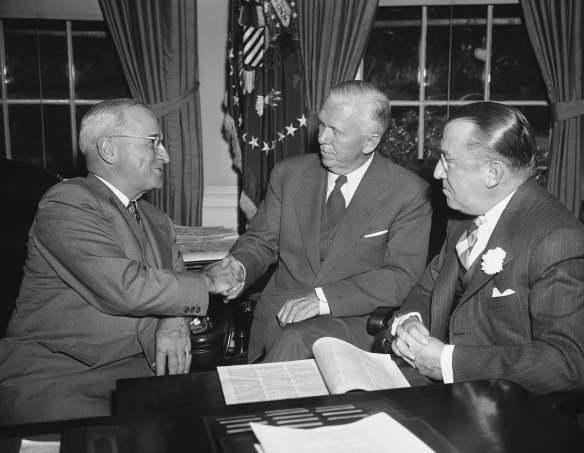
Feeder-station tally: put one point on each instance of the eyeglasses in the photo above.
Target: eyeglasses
(156, 140)
(447, 162)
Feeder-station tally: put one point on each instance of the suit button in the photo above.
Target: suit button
(187, 310)
(192, 309)
(198, 309)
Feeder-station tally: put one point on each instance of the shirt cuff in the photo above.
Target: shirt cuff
(242, 271)
(324, 308)
(446, 364)
(400, 320)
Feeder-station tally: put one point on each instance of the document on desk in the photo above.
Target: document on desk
(378, 433)
(271, 381)
(204, 243)
(338, 367)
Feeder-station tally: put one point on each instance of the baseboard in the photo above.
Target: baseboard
(220, 206)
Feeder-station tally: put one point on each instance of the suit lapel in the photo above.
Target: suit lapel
(361, 211)
(154, 237)
(308, 202)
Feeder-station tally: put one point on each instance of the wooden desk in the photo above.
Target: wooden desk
(480, 416)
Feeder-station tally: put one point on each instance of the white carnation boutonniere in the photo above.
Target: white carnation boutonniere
(493, 261)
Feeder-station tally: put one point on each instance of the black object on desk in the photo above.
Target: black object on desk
(479, 416)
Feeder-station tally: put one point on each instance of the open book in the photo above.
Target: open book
(337, 367)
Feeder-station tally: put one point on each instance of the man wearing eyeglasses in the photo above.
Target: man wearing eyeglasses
(105, 294)
(505, 297)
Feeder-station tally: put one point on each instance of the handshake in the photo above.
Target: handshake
(225, 277)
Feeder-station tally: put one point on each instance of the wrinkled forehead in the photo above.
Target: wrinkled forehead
(138, 119)
(456, 137)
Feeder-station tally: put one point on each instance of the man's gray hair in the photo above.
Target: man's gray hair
(102, 120)
(375, 100)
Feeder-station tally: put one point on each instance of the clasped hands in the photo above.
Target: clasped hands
(225, 277)
(413, 343)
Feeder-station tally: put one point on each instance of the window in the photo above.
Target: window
(429, 59)
(52, 72)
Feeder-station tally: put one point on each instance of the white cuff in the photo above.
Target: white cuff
(323, 304)
(446, 364)
(242, 270)
(400, 320)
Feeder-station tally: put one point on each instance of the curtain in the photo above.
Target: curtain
(265, 119)
(333, 35)
(157, 44)
(555, 31)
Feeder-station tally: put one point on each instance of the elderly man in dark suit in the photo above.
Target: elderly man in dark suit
(505, 297)
(348, 230)
(103, 275)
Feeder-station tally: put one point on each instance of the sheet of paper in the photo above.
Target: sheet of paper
(271, 381)
(378, 433)
(34, 446)
(346, 367)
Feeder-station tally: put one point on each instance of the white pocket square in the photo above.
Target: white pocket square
(507, 292)
(378, 233)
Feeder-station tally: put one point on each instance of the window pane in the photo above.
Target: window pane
(391, 60)
(515, 73)
(467, 53)
(434, 118)
(36, 59)
(30, 124)
(2, 137)
(400, 142)
(98, 71)
(26, 137)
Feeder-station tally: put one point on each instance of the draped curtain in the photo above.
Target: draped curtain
(157, 44)
(555, 31)
(333, 36)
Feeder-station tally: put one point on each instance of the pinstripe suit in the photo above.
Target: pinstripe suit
(535, 336)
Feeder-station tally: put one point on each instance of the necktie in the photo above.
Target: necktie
(335, 205)
(467, 241)
(134, 211)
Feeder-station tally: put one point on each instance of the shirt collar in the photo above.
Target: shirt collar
(125, 200)
(353, 179)
(492, 216)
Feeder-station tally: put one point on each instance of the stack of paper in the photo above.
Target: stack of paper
(375, 434)
(204, 243)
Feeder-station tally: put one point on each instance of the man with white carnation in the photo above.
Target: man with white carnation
(505, 296)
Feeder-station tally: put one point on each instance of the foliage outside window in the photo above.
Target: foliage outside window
(430, 59)
(52, 72)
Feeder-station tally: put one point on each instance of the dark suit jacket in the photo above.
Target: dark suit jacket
(359, 273)
(86, 313)
(535, 336)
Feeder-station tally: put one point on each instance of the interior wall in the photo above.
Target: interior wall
(221, 180)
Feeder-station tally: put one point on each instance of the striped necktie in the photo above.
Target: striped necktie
(335, 205)
(134, 211)
(467, 241)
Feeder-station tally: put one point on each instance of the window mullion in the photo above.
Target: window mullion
(72, 113)
(489, 44)
(7, 152)
(421, 109)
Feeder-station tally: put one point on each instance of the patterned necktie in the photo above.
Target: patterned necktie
(467, 241)
(335, 205)
(134, 211)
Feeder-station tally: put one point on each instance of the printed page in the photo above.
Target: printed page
(271, 381)
(378, 433)
(345, 367)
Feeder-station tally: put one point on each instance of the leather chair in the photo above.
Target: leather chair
(22, 185)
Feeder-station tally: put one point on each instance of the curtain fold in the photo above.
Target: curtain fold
(333, 36)
(157, 44)
(555, 31)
